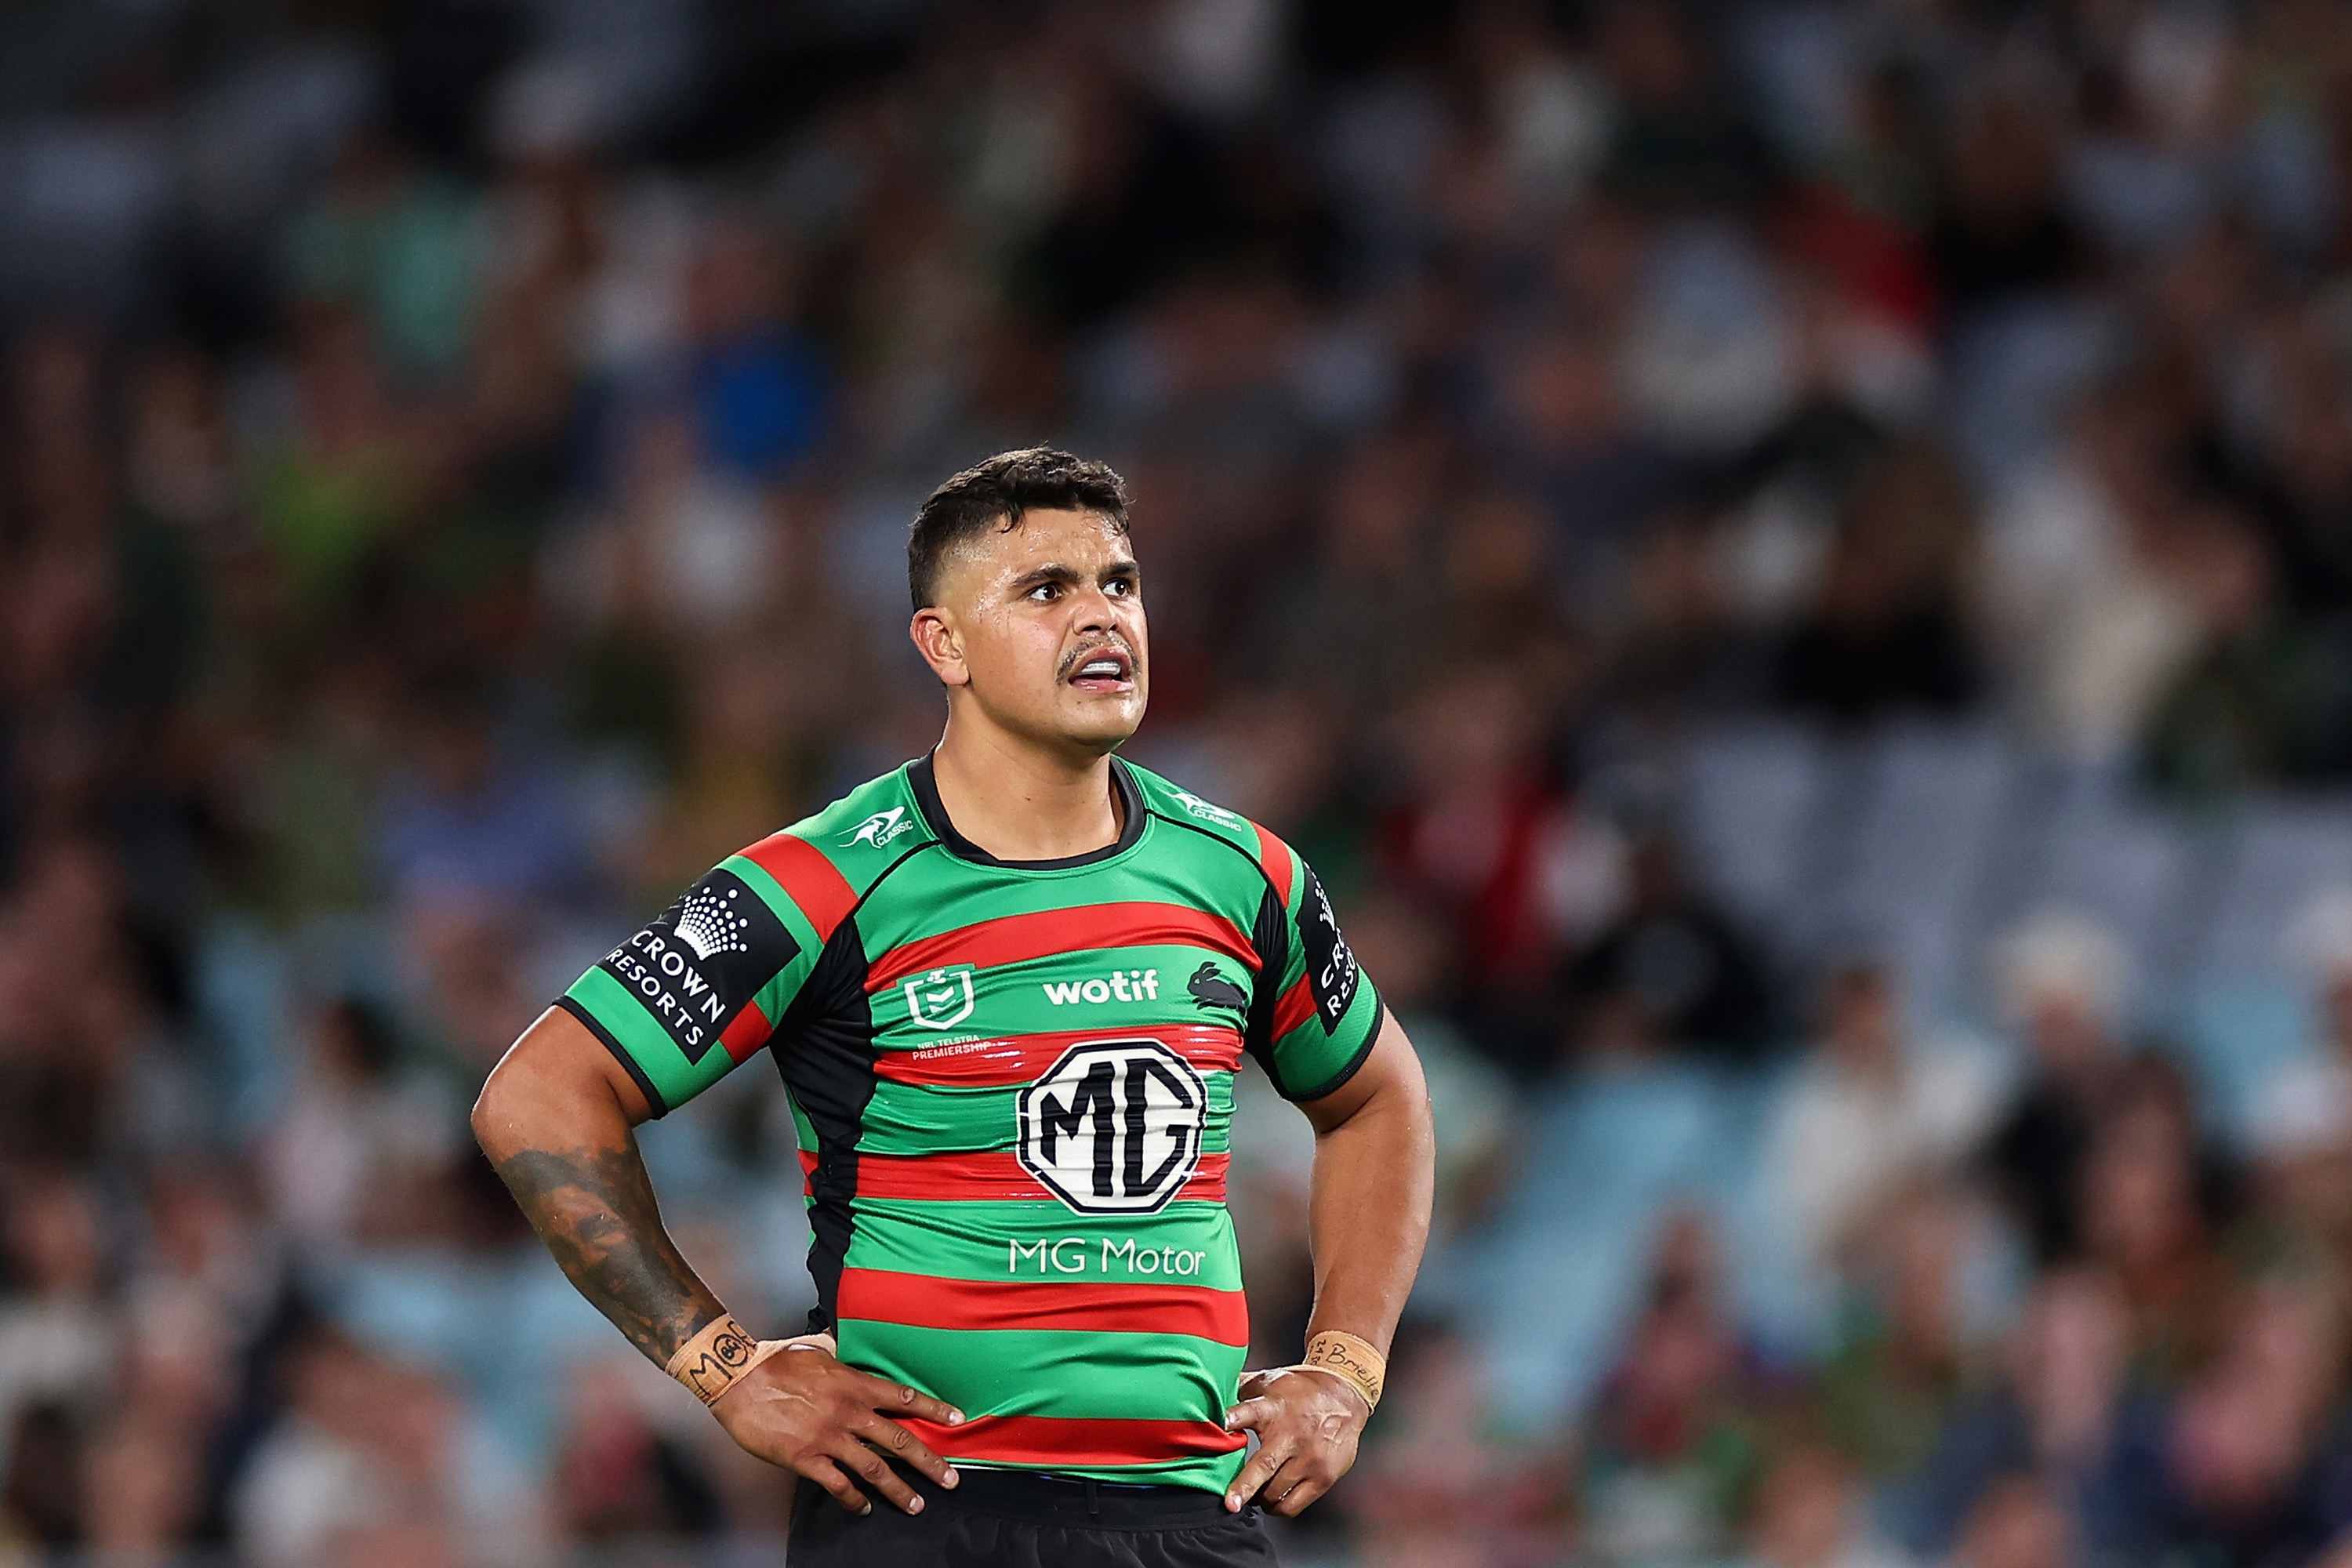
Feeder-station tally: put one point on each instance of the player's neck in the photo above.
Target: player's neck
(1018, 802)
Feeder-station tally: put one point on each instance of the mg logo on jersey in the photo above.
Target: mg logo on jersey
(1114, 1127)
(940, 999)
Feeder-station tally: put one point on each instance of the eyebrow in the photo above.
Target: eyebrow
(1069, 577)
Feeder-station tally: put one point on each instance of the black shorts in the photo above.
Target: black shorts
(1018, 1518)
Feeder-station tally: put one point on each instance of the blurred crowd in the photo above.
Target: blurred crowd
(455, 457)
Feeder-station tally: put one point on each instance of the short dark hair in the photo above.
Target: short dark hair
(994, 494)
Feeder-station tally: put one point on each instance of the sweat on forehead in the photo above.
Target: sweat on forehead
(993, 497)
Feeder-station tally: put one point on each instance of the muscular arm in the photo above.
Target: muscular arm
(1375, 1169)
(1368, 1219)
(555, 1120)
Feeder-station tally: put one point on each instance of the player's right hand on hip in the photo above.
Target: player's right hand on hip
(803, 1409)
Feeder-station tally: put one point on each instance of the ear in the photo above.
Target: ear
(936, 638)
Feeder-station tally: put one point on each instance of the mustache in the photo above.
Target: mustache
(1076, 656)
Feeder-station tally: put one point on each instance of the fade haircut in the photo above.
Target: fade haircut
(996, 494)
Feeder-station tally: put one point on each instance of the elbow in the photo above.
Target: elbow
(492, 1109)
(484, 1116)
(550, 1085)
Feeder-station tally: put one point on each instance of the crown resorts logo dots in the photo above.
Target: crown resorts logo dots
(709, 923)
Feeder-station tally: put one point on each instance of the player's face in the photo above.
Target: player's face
(1042, 624)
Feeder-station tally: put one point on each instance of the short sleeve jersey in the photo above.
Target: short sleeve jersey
(1012, 1083)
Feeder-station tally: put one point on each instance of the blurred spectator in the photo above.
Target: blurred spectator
(1904, 1360)
(2062, 980)
(2304, 1106)
(1439, 1483)
(2018, 1524)
(1677, 964)
(365, 1448)
(1867, 1112)
(480, 848)
(1373, 600)
(2150, 1203)
(295, 798)
(1808, 1515)
(618, 1476)
(342, 477)
(42, 1499)
(2307, 446)
(202, 1304)
(2000, 229)
(1673, 1447)
(2260, 700)
(694, 549)
(1887, 632)
(758, 393)
(1488, 835)
(1684, 650)
(401, 246)
(2116, 583)
(735, 756)
(142, 1490)
(1564, 420)
(72, 1009)
(359, 1149)
(2066, 1415)
(468, 823)
(60, 1344)
(59, 1331)
(2254, 1469)
(1678, 141)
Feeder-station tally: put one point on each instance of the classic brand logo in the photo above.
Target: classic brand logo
(940, 999)
(1114, 1127)
(879, 828)
(1201, 808)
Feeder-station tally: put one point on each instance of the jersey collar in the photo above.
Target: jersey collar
(926, 798)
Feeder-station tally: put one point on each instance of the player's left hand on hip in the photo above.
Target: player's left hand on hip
(1306, 1422)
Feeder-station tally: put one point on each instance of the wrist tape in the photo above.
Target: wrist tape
(1353, 1359)
(710, 1363)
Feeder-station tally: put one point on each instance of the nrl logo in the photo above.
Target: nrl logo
(1201, 808)
(940, 999)
(879, 828)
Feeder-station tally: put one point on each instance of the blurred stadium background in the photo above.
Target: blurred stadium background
(1790, 562)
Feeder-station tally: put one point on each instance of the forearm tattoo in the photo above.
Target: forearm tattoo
(595, 1210)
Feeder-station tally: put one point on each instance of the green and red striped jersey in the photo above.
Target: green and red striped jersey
(1013, 1082)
